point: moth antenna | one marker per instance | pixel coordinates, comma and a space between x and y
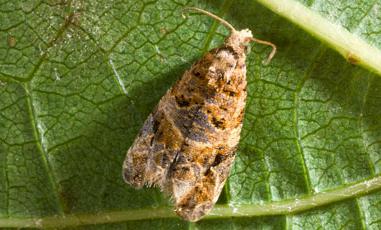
228, 25
222, 21
271, 55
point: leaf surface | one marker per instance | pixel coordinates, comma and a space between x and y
78, 78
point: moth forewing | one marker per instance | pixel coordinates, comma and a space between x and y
187, 145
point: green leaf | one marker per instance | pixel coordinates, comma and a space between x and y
78, 78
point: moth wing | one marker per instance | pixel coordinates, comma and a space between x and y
137, 158
154, 149
196, 190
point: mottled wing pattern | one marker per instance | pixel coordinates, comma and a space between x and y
136, 162
187, 145
150, 156
210, 101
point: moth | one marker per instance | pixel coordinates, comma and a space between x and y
188, 143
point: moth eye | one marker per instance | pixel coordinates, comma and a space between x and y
230, 65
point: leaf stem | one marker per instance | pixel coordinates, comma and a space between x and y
219, 211
351, 47
300, 204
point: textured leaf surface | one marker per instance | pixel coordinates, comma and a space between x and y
78, 78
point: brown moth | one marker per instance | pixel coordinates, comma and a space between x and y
187, 144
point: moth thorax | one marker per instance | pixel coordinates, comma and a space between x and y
224, 65
238, 40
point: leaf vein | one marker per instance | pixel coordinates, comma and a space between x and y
42, 149
285, 207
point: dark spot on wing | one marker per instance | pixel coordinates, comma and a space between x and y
219, 158
193, 123
218, 123
182, 101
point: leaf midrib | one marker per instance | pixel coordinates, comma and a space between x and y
220, 211
354, 49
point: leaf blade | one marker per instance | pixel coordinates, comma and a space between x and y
89, 120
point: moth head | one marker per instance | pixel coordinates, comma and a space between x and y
239, 40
